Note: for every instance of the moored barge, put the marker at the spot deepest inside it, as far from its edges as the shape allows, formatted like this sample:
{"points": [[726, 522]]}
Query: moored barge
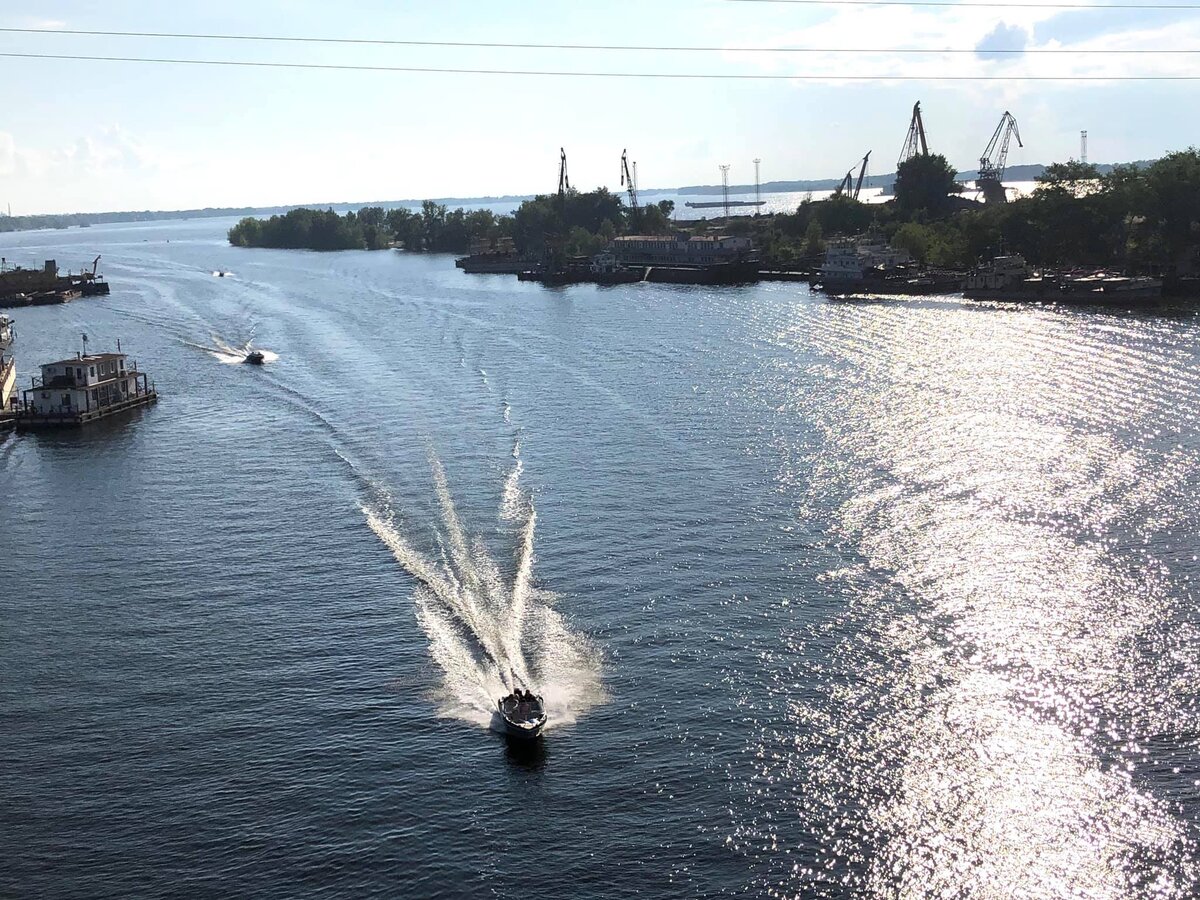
{"points": [[74, 392]]}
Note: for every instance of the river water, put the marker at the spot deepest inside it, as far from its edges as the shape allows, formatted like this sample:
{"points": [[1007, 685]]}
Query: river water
{"points": [[829, 599]]}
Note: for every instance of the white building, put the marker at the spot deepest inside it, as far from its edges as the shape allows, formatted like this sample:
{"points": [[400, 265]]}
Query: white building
{"points": [[8, 379], [8, 369], [85, 387]]}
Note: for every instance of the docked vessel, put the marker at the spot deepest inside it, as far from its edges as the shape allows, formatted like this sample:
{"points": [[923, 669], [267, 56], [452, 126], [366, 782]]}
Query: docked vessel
{"points": [[1010, 279], [523, 714], [8, 368], [860, 264], [720, 204], [492, 263], [499, 257], [82, 390], [684, 259], [605, 268], [39, 287], [1106, 288]]}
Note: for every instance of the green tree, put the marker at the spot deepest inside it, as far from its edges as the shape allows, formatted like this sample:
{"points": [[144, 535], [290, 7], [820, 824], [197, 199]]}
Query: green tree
{"points": [[1072, 177], [1174, 183], [914, 238], [925, 183], [842, 215], [814, 239]]}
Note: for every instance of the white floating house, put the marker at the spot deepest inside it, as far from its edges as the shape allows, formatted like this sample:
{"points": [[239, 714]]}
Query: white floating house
{"points": [[8, 379], [79, 390]]}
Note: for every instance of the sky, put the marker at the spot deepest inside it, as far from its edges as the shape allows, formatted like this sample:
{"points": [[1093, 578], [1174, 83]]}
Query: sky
{"points": [[86, 136]]}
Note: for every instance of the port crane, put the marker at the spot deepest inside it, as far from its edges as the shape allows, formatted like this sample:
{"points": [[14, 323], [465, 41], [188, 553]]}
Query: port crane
{"points": [[554, 246], [564, 183], [630, 183], [849, 186], [914, 144], [991, 164]]}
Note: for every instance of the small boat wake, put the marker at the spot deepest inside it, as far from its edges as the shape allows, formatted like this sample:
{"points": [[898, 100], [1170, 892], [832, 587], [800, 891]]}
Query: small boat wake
{"points": [[231, 355], [489, 631]]}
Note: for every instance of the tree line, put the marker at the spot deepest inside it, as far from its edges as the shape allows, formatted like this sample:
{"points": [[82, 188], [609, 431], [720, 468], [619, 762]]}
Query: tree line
{"points": [[1141, 218], [580, 222]]}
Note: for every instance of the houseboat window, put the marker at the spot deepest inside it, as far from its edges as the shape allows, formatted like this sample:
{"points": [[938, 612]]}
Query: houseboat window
{"points": [[95, 396], [121, 363], [93, 368], [66, 400]]}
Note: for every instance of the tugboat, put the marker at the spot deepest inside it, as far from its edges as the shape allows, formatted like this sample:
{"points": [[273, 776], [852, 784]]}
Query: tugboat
{"points": [[254, 358], [524, 715]]}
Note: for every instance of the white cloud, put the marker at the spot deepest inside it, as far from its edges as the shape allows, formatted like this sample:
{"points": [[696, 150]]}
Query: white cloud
{"points": [[959, 29], [108, 149]]}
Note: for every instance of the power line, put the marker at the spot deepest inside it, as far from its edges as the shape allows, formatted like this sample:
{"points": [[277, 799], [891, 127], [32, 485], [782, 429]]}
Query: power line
{"points": [[573, 74], [973, 5], [540, 46]]}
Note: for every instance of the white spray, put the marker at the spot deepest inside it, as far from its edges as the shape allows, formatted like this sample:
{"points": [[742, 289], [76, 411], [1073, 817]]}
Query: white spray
{"points": [[488, 633]]}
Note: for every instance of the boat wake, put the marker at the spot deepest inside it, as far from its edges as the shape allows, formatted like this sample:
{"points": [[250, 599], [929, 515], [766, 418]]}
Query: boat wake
{"points": [[491, 631], [230, 354]]}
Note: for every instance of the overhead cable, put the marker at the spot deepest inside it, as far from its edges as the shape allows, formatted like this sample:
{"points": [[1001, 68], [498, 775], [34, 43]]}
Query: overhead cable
{"points": [[261, 64], [499, 45]]}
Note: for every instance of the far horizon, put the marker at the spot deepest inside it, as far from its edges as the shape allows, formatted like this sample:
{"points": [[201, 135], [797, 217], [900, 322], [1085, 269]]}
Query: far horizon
{"points": [[777, 186], [240, 121]]}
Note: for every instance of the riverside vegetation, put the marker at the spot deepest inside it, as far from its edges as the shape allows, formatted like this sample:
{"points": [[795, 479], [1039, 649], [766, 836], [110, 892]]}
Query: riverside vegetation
{"points": [[589, 220], [1140, 218], [1144, 218]]}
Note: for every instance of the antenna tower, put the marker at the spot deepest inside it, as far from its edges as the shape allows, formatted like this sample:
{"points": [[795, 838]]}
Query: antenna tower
{"points": [[1083, 147], [725, 187], [757, 197]]}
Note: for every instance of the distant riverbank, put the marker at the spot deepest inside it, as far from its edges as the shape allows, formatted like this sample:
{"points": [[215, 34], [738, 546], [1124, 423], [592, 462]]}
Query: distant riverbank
{"points": [[499, 205]]}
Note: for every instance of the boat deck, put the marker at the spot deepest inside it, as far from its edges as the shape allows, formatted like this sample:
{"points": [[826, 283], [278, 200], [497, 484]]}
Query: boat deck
{"points": [[31, 420]]}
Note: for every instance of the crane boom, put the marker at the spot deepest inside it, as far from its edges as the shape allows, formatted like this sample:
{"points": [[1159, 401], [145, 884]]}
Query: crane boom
{"points": [[915, 143], [844, 187], [995, 157], [630, 183], [861, 174], [564, 183]]}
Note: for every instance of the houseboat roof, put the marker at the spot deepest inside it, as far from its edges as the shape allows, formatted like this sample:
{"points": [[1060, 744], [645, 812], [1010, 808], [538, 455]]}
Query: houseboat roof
{"points": [[89, 358]]}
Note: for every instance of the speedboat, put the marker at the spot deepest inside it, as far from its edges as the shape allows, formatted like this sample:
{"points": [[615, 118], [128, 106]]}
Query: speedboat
{"points": [[523, 718], [254, 357]]}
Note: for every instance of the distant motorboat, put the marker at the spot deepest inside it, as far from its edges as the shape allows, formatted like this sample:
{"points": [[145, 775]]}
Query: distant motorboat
{"points": [[254, 358], [524, 715]]}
